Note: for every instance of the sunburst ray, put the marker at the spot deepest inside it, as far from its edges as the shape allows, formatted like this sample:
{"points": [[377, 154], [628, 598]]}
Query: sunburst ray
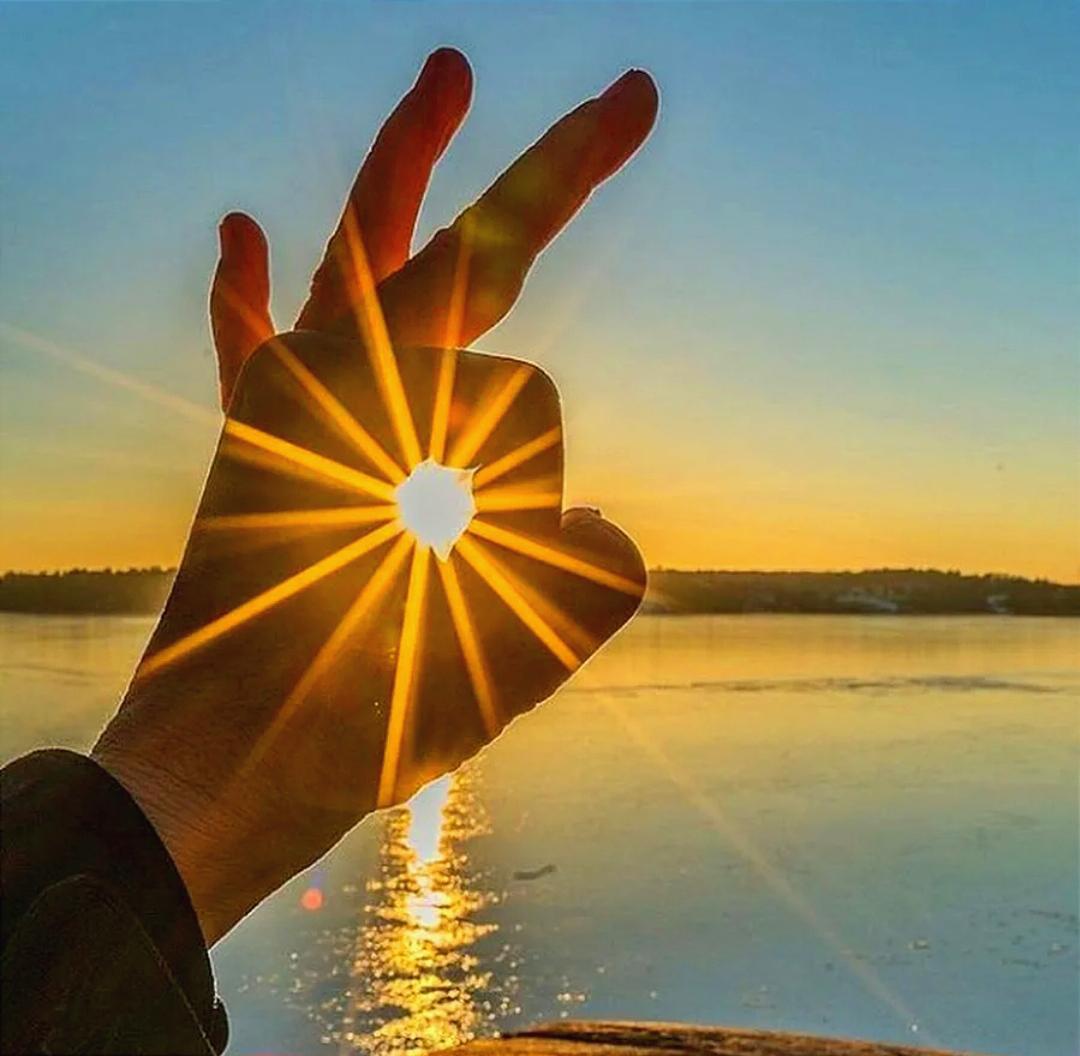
{"points": [[455, 308], [773, 877], [482, 426], [498, 579], [322, 399], [475, 664], [444, 394], [326, 517], [301, 456], [259, 604], [405, 672], [455, 313], [372, 592], [116, 378], [501, 466], [364, 299], [537, 494], [583, 642], [550, 555], [239, 451]]}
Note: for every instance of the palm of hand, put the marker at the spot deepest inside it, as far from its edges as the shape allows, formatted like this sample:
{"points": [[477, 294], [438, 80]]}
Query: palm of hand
{"points": [[393, 665]]}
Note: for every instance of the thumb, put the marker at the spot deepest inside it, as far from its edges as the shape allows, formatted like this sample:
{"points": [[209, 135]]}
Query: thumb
{"points": [[239, 298], [588, 533]]}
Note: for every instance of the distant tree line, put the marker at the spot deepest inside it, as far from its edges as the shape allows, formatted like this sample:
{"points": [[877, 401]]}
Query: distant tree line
{"points": [[143, 591], [132, 591], [885, 590]]}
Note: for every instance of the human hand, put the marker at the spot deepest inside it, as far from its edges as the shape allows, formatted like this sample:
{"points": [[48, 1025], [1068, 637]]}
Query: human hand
{"points": [[314, 659]]}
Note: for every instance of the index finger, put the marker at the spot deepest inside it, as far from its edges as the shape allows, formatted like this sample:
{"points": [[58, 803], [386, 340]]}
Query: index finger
{"points": [[496, 240], [385, 199]]}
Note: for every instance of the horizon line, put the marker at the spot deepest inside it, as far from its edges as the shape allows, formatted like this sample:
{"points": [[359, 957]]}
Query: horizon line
{"points": [[880, 569]]}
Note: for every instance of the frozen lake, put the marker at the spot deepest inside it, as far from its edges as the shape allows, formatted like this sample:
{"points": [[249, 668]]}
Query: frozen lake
{"points": [[850, 825]]}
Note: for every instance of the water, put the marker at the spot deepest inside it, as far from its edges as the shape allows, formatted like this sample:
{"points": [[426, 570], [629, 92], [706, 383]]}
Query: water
{"points": [[846, 825]]}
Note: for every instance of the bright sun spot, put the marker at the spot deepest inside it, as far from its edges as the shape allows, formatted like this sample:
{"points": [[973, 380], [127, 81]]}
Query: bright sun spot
{"points": [[436, 504]]}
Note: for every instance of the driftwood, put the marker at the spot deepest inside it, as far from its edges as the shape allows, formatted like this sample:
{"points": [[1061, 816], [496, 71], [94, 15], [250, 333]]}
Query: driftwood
{"points": [[672, 1039]]}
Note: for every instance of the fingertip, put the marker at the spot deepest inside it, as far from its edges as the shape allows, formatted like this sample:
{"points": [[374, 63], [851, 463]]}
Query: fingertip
{"points": [[629, 108], [451, 72], [637, 85], [242, 240], [227, 234], [648, 92], [447, 58]]}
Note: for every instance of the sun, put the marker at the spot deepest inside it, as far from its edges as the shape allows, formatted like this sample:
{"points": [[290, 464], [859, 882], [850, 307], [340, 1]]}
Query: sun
{"points": [[436, 504]]}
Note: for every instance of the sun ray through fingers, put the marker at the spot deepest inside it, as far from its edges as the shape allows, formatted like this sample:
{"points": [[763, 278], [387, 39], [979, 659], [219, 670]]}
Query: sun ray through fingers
{"points": [[497, 578], [482, 426], [774, 878], [279, 465], [323, 399], [455, 312], [540, 493], [320, 464], [259, 604], [364, 299], [372, 592], [459, 287], [444, 394], [115, 378], [327, 517], [405, 672], [470, 645], [501, 466], [550, 555]]}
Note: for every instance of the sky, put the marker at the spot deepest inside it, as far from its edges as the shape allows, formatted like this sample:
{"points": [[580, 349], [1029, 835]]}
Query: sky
{"points": [[826, 318]]}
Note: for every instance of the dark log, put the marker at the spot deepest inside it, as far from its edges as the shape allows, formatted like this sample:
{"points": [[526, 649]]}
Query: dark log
{"points": [[671, 1039]]}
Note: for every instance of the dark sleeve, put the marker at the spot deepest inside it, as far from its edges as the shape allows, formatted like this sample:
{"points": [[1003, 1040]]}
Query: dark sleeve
{"points": [[101, 948]]}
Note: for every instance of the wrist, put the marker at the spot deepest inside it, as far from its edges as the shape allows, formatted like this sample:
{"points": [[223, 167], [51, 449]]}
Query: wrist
{"points": [[176, 812]]}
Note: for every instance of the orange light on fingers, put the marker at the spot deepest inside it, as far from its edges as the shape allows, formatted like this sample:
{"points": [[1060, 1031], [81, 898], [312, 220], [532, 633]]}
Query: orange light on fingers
{"points": [[301, 456], [482, 426], [541, 494], [501, 466], [549, 555], [338, 416], [259, 604], [500, 582], [470, 646], [444, 394], [377, 586], [364, 298], [405, 672], [330, 517]]}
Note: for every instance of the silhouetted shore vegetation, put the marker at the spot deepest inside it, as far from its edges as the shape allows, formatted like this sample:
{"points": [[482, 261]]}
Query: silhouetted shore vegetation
{"points": [[885, 591], [142, 591], [130, 591]]}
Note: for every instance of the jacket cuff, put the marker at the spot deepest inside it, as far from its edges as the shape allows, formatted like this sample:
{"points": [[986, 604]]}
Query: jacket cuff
{"points": [[65, 817]]}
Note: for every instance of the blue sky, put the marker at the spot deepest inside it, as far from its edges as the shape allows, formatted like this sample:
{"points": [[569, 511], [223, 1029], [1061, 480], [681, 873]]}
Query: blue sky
{"points": [[827, 317]]}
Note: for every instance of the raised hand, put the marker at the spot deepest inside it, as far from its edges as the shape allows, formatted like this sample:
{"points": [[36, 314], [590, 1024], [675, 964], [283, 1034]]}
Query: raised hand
{"points": [[316, 659]]}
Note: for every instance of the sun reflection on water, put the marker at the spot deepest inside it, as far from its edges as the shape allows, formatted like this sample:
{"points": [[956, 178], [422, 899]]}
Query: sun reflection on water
{"points": [[418, 980]]}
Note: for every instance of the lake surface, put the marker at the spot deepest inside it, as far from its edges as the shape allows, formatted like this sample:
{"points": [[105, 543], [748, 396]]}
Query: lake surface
{"points": [[859, 826]]}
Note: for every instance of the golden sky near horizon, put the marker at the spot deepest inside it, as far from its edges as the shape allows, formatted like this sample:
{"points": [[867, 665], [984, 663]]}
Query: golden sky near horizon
{"points": [[129, 503]]}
